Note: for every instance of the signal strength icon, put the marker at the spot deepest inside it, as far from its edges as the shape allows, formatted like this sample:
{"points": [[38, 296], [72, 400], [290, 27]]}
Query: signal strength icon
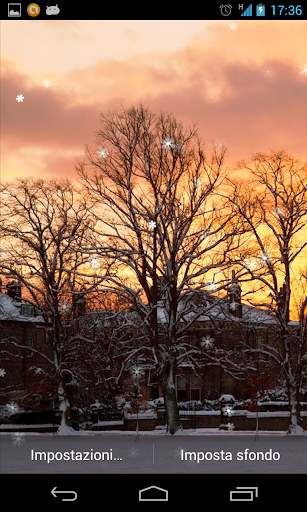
{"points": [[248, 11]]}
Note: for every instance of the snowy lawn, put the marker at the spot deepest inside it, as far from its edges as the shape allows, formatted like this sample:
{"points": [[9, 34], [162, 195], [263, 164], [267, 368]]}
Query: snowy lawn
{"points": [[154, 452]]}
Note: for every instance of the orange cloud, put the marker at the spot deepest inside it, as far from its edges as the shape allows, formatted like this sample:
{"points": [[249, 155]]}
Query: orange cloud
{"points": [[218, 80]]}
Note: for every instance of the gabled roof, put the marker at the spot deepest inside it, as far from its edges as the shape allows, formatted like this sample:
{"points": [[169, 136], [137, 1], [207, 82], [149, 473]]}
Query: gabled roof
{"points": [[211, 308], [10, 310]]}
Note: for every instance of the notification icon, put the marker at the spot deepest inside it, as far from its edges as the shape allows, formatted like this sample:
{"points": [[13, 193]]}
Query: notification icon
{"points": [[52, 10], [225, 9], [33, 10], [260, 10], [14, 10]]}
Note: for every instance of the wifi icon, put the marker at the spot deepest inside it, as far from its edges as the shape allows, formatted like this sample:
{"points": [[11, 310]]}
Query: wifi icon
{"points": [[248, 11]]}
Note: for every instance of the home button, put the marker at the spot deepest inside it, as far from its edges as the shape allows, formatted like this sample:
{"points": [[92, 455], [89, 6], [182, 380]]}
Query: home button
{"points": [[153, 493]]}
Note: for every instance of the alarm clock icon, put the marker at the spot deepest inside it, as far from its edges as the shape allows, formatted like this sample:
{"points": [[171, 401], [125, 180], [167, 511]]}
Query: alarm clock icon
{"points": [[225, 9]]}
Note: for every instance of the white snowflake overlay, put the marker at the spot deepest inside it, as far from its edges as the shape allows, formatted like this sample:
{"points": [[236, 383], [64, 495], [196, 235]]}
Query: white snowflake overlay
{"points": [[177, 452], [227, 410], [264, 257], [251, 264], [18, 438], [133, 453], [64, 307], [137, 372], [220, 144], [268, 72], [168, 143], [207, 341], [103, 153], [94, 263], [12, 408], [303, 70], [212, 286]]}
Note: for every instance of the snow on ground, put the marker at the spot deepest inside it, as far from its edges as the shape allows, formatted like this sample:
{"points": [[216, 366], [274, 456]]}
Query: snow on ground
{"points": [[158, 432], [153, 452], [12, 427]]}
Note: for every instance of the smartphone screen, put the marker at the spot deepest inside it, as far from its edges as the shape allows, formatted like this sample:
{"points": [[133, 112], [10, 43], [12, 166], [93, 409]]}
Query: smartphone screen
{"points": [[153, 243]]}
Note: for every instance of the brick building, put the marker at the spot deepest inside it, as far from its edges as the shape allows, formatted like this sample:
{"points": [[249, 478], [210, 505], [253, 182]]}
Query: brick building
{"points": [[224, 326], [21, 330], [225, 323]]}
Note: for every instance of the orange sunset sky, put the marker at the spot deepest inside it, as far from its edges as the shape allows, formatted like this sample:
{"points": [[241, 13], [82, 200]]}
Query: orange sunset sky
{"points": [[199, 70]]}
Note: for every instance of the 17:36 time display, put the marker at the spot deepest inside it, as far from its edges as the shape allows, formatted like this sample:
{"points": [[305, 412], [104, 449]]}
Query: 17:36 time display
{"points": [[291, 10]]}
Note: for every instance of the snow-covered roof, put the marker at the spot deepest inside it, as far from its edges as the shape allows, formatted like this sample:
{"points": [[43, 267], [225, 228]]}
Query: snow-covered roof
{"points": [[217, 309], [10, 309], [205, 309]]}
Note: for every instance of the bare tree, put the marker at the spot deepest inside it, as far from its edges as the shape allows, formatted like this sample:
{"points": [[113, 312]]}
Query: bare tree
{"points": [[160, 229], [43, 226], [272, 200]]}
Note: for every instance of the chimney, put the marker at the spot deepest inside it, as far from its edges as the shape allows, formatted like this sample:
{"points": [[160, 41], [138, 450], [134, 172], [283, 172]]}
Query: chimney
{"points": [[14, 290], [79, 305], [234, 297]]}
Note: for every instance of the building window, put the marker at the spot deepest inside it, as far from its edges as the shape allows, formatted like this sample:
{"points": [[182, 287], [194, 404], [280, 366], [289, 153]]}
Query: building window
{"points": [[195, 388], [181, 388], [31, 344], [153, 387], [27, 310]]}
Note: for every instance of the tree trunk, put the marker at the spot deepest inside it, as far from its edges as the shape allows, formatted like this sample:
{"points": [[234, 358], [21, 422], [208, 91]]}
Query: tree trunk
{"points": [[170, 399], [295, 427], [65, 427]]}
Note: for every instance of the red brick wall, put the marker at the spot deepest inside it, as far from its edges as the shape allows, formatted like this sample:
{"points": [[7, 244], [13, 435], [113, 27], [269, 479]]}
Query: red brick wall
{"points": [[17, 361]]}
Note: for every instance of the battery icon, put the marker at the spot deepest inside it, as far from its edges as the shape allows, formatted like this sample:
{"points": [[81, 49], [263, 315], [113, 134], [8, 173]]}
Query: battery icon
{"points": [[260, 10]]}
